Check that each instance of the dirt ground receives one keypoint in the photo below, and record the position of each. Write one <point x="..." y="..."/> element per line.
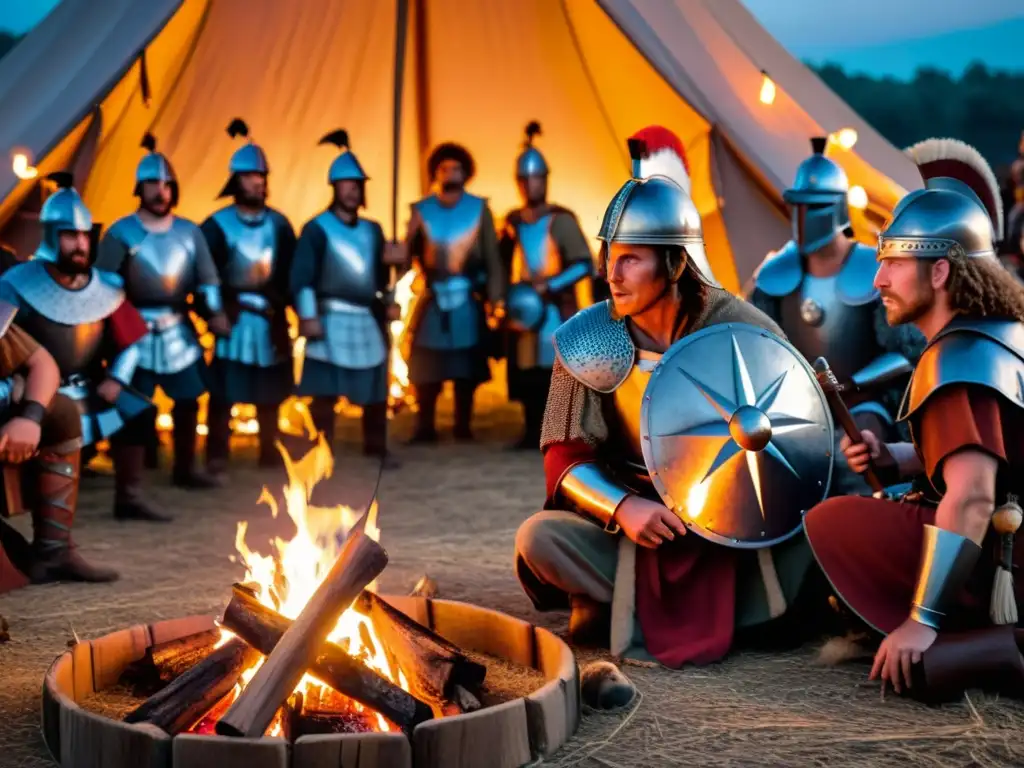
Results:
<point x="451" y="512"/>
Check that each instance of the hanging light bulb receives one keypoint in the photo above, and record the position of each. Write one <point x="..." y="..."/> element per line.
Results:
<point x="767" y="89"/>
<point x="857" y="197"/>
<point x="22" y="167"/>
<point x="846" y="138"/>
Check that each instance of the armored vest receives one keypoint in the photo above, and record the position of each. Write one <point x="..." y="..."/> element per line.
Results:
<point x="161" y="267"/>
<point x="451" y="233"/>
<point x="982" y="352"/>
<point x="536" y="253"/>
<point x="348" y="269"/>
<point x="252" y="245"/>
<point x="831" y="317"/>
<point x="69" y="324"/>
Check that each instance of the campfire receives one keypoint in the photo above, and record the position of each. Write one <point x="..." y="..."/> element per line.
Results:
<point x="305" y="645"/>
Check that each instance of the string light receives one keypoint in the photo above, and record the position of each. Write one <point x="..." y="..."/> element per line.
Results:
<point x="767" y="89"/>
<point x="845" y="138"/>
<point x="857" y="197"/>
<point x="22" y="166"/>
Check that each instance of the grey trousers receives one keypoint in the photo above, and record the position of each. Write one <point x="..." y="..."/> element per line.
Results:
<point x="559" y="554"/>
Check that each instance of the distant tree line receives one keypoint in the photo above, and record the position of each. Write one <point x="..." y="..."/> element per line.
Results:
<point x="982" y="107"/>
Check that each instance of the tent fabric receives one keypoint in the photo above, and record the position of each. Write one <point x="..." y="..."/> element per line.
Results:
<point x="51" y="81"/>
<point x="591" y="71"/>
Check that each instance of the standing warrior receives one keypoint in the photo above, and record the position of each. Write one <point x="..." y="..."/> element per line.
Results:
<point x="934" y="576"/>
<point x="339" y="282"/>
<point x="658" y="428"/>
<point x="84" y="321"/>
<point x="162" y="260"/>
<point x="252" y="247"/>
<point x="818" y="288"/>
<point x="546" y="255"/>
<point x="454" y="247"/>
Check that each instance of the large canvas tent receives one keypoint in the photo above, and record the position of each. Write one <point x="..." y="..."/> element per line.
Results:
<point x="83" y="87"/>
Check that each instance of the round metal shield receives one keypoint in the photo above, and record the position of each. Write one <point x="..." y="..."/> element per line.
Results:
<point x="737" y="435"/>
<point x="524" y="308"/>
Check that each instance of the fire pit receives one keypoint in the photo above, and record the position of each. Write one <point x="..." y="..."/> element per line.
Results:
<point x="309" y="666"/>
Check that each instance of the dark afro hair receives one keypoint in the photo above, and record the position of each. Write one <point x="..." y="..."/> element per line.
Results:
<point x="451" y="151"/>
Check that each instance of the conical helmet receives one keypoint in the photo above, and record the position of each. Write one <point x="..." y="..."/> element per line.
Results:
<point x="248" y="158"/>
<point x="345" y="166"/>
<point x="154" y="166"/>
<point x="530" y="161"/>
<point x="63" y="211"/>
<point x="820" y="210"/>
<point x="957" y="214"/>
<point x="656" y="211"/>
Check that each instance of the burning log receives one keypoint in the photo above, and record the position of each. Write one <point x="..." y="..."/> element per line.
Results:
<point x="262" y="628"/>
<point x="433" y="665"/>
<point x="165" y="662"/>
<point x="360" y="562"/>
<point x="189" y="696"/>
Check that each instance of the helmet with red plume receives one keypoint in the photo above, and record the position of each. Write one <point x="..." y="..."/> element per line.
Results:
<point x="663" y="155"/>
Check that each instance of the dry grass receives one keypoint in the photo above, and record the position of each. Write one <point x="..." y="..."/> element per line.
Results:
<point x="452" y="512"/>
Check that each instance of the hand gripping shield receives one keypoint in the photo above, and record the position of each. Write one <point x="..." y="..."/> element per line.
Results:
<point x="737" y="435"/>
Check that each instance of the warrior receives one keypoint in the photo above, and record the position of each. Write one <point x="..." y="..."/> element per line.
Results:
<point x="41" y="431"/>
<point x="932" y="572"/>
<point x="818" y="288"/>
<point x="81" y="316"/>
<point x="675" y="413"/>
<point x="162" y="260"/>
<point x="545" y="254"/>
<point x="252" y="246"/>
<point x="339" y="284"/>
<point x="453" y="246"/>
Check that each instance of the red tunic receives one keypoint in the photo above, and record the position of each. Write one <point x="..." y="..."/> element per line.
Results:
<point x="870" y="549"/>
<point x="685" y="589"/>
<point x="126" y="326"/>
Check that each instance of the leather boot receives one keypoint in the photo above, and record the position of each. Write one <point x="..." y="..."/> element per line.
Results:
<point x="989" y="659"/>
<point x="375" y="434"/>
<point x="54" y="556"/>
<point x="266" y="417"/>
<point x="464" y="394"/>
<point x="218" y="436"/>
<point x="185" y="474"/>
<point x="129" y="501"/>
<point x="322" y="412"/>
<point x="590" y="622"/>
<point x="426" y="428"/>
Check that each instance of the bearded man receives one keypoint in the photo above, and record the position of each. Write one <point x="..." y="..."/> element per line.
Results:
<point x="932" y="572"/>
<point x="648" y="434"/>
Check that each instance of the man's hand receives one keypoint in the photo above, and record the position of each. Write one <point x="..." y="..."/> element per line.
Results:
<point x="109" y="390"/>
<point x="312" y="329"/>
<point x="899" y="651"/>
<point x="19" y="439"/>
<point x="219" y="325"/>
<point x="858" y="456"/>
<point x="648" y="523"/>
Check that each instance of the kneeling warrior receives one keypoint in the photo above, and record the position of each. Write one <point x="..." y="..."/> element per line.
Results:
<point x="93" y="332"/>
<point x="339" y="282"/>
<point x="679" y="419"/>
<point x="252" y="246"/>
<point x="933" y="574"/>
<point x="818" y="288"/>
<point x="454" y="248"/>
<point x="546" y="255"/>
<point x="41" y="431"/>
<point x="162" y="260"/>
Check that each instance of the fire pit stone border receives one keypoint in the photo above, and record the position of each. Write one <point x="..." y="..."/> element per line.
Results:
<point x="503" y="736"/>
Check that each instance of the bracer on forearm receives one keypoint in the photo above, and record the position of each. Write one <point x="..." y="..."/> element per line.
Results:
<point x="593" y="492"/>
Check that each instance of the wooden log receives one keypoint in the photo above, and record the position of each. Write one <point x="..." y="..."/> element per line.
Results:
<point x="175" y="708"/>
<point x="361" y="560"/>
<point x="371" y="750"/>
<point x="433" y="665"/>
<point x="165" y="662"/>
<point x="263" y="628"/>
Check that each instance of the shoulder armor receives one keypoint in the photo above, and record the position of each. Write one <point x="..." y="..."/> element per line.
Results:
<point x="186" y="229"/>
<point x="855" y="284"/>
<point x="95" y="302"/>
<point x="986" y="353"/>
<point x="596" y="349"/>
<point x="780" y="274"/>
<point x="223" y="215"/>
<point x="128" y="230"/>
<point x="7" y="313"/>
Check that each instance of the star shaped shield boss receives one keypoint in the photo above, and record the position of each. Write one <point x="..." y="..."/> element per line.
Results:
<point x="737" y="435"/>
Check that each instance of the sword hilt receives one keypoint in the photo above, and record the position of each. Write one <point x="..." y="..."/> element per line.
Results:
<point x="830" y="385"/>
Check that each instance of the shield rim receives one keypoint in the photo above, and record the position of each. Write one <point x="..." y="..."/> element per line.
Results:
<point x="519" y="325"/>
<point x="646" y="445"/>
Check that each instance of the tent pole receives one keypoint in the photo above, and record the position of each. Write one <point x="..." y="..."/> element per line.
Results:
<point x="422" y="88"/>
<point x="401" y="32"/>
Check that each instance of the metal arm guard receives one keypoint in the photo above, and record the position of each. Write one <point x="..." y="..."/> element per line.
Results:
<point x="569" y="276"/>
<point x="947" y="559"/>
<point x="594" y="493"/>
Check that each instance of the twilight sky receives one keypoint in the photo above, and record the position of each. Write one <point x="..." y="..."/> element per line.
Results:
<point x="881" y="37"/>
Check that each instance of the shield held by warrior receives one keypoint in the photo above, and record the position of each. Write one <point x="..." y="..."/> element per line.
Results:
<point x="737" y="435"/>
